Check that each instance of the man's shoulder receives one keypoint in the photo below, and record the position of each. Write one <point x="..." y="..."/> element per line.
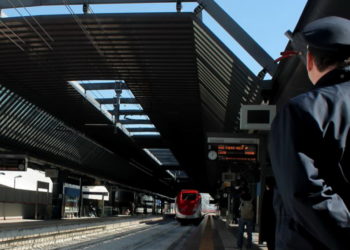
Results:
<point x="338" y="89"/>
<point x="332" y="93"/>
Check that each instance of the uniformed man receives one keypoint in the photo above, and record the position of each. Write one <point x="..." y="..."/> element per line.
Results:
<point x="310" y="146"/>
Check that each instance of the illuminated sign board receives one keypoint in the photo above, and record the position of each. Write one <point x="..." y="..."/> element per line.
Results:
<point x="237" y="150"/>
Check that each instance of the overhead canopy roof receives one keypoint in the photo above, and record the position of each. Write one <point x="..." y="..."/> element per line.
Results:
<point x="185" y="79"/>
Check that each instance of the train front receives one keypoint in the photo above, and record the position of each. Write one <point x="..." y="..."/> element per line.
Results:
<point x="188" y="206"/>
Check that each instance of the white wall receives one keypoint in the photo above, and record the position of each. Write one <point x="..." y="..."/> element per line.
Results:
<point x="28" y="181"/>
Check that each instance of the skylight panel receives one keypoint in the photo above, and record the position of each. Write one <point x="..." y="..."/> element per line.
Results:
<point x="139" y="126"/>
<point x="144" y="133"/>
<point x="177" y="174"/>
<point x="107" y="106"/>
<point x="103" y="95"/>
<point x="134" y="117"/>
<point x="130" y="107"/>
<point x="164" y="156"/>
<point x="110" y="93"/>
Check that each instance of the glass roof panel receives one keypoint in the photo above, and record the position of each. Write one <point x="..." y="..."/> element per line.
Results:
<point x="139" y="126"/>
<point x="130" y="106"/>
<point x="176" y="174"/>
<point x="105" y="89"/>
<point x="144" y="133"/>
<point x="164" y="156"/>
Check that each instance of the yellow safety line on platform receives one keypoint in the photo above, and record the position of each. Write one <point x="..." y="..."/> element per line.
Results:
<point x="207" y="236"/>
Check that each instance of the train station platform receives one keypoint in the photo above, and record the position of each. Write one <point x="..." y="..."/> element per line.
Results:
<point x="214" y="233"/>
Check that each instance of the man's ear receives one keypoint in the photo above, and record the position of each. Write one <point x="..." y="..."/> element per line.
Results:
<point x="309" y="61"/>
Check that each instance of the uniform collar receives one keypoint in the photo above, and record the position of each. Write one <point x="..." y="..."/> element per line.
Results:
<point x="334" y="77"/>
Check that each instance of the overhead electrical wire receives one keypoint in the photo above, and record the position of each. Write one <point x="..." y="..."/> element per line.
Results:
<point x="9" y="29"/>
<point x="81" y="25"/>
<point x="13" y="41"/>
<point x="13" y="33"/>
<point x="35" y="20"/>
<point x="28" y="48"/>
<point x="32" y="27"/>
<point x="87" y="33"/>
<point x="99" y="25"/>
<point x="104" y="31"/>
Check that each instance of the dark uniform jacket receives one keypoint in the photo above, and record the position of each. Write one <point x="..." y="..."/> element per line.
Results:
<point x="310" y="155"/>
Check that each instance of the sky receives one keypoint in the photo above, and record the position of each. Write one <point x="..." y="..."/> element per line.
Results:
<point x="265" y="21"/>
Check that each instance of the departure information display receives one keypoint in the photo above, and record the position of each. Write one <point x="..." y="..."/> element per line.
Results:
<point x="233" y="152"/>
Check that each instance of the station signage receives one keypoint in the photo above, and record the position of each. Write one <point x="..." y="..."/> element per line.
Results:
<point x="13" y="162"/>
<point x="234" y="150"/>
<point x="43" y="185"/>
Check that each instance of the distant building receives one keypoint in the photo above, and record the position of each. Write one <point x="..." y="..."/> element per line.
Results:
<point x="27" y="181"/>
<point x="19" y="198"/>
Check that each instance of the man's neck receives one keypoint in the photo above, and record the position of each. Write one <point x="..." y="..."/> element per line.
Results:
<point x="317" y="75"/>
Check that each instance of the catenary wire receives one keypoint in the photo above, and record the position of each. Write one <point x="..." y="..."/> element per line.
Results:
<point x="33" y="28"/>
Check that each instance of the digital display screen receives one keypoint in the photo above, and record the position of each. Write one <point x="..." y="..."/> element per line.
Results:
<point x="258" y="116"/>
<point x="236" y="152"/>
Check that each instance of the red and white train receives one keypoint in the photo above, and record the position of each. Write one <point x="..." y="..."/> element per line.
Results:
<point x="188" y="206"/>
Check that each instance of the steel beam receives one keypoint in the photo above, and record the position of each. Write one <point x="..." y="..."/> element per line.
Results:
<point x="174" y="167"/>
<point x="31" y="3"/>
<point x="142" y="130"/>
<point x="112" y="100"/>
<point x="240" y="35"/>
<point x="125" y="122"/>
<point x="106" y="100"/>
<point x="146" y="136"/>
<point x="129" y="112"/>
<point x="102" y="86"/>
